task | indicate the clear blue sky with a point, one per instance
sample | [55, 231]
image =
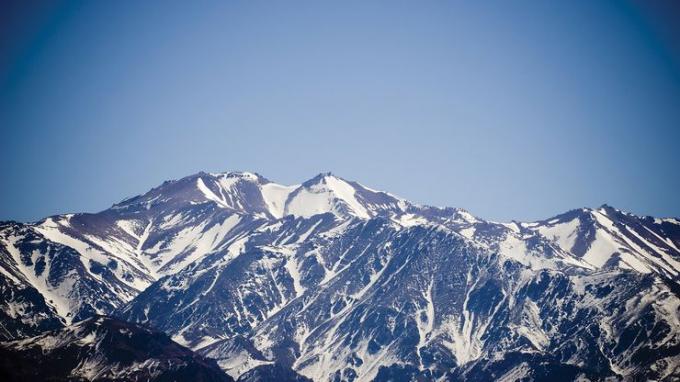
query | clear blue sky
[510, 109]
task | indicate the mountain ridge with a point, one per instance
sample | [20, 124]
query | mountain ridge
[260, 275]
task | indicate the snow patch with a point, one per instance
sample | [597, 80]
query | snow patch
[275, 196]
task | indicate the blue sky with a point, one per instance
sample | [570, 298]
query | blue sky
[512, 110]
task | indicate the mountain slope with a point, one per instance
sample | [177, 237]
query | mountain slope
[337, 281]
[23, 310]
[608, 237]
[377, 295]
[102, 348]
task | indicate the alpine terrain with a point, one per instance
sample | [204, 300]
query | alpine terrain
[230, 276]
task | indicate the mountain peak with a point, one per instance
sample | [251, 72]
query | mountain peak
[325, 193]
[255, 274]
[321, 177]
[245, 175]
[607, 207]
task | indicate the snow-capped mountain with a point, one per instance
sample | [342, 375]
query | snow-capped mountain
[331, 280]
[607, 237]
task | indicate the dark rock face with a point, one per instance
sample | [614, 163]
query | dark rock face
[104, 349]
[333, 281]
[274, 372]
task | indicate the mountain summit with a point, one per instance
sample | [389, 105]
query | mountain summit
[330, 280]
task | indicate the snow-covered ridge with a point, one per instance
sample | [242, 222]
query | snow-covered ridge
[243, 269]
[179, 223]
[606, 236]
[325, 193]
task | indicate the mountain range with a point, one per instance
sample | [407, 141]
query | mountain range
[330, 280]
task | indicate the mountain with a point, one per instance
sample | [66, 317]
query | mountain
[608, 237]
[101, 348]
[331, 280]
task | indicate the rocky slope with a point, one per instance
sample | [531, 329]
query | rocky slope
[331, 280]
[104, 349]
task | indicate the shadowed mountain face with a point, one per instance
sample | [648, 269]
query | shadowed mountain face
[105, 349]
[331, 280]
